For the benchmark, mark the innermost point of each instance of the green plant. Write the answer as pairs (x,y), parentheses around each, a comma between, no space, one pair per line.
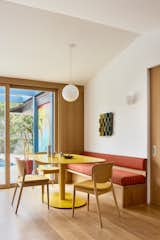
(21,133)
(21,126)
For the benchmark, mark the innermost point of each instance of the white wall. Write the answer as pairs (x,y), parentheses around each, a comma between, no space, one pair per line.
(107,93)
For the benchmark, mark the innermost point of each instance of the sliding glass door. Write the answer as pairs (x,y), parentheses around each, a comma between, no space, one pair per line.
(4,136)
(26,125)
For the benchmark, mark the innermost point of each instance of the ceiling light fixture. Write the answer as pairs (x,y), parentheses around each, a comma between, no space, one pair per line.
(70,92)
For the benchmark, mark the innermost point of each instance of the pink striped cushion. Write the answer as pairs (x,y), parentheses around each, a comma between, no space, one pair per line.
(29,166)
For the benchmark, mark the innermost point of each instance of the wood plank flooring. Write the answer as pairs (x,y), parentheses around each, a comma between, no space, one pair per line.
(35,222)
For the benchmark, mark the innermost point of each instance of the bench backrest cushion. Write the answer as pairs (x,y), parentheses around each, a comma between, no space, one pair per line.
(122,161)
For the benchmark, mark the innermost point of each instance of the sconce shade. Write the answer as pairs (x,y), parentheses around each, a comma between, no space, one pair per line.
(70,93)
(131,98)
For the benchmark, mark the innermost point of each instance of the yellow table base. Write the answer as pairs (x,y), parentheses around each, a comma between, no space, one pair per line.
(55,201)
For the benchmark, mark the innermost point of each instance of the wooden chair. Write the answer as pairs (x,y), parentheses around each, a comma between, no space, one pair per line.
(25,180)
(101,183)
(46,170)
(40,153)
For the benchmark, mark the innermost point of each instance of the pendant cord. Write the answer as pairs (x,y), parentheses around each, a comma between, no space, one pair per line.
(71,46)
(71,64)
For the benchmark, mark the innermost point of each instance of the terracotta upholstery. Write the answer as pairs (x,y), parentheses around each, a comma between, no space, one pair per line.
(29,166)
(82,168)
(122,161)
(125,178)
(121,177)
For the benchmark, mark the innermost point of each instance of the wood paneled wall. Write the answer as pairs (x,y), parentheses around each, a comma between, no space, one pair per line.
(69,117)
(71,124)
(155,133)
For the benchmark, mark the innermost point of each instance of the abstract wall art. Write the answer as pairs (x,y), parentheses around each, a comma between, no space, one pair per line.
(106,124)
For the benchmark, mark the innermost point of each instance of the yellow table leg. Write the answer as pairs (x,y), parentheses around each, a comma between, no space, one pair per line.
(62,182)
(54,200)
(62,199)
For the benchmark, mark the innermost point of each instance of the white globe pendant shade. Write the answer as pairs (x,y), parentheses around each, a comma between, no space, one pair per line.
(70,93)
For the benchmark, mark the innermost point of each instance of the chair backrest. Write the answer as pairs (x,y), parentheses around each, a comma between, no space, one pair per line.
(21,167)
(40,153)
(102,172)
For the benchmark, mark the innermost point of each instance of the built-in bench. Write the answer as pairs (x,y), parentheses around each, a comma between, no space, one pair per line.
(129,176)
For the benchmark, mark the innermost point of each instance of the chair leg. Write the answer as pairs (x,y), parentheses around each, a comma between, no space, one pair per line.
(42,193)
(14,194)
(88,201)
(115,199)
(53,180)
(19,198)
(48,195)
(73,203)
(98,210)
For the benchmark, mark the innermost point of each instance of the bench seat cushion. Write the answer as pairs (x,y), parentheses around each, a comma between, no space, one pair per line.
(126,178)
(82,168)
(119,177)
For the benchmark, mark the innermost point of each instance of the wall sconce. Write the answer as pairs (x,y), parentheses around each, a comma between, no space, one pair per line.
(131,98)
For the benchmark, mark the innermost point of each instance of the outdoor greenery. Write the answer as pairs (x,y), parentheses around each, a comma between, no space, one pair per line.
(21,135)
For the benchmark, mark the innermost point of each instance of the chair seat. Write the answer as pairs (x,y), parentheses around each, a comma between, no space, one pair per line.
(88,185)
(33,179)
(48,170)
(100,184)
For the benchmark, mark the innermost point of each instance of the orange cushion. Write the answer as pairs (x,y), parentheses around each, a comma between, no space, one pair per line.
(122,161)
(125,178)
(29,166)
(119,177)
(82,168)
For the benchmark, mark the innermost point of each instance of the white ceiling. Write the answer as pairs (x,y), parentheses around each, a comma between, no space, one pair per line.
(133,15)
(34,44)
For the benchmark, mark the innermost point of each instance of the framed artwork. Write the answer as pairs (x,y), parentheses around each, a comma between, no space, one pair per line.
(106,124)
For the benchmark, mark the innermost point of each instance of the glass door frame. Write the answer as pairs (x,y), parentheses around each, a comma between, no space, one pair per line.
(9,83)
(7,136)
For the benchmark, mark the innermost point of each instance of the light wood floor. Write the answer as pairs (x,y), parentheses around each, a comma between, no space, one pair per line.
(35,222)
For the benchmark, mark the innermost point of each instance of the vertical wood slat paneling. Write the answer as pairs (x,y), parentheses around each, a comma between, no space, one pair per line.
(155,133)
(71,124)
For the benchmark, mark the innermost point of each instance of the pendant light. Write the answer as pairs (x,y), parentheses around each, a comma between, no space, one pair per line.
(70,92)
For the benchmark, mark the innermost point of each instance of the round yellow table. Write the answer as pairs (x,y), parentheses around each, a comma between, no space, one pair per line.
(63,199)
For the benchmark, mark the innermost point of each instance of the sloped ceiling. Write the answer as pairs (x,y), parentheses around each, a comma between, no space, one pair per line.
(34,44)
(133,15)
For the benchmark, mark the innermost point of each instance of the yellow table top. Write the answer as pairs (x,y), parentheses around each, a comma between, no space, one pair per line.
(61,160)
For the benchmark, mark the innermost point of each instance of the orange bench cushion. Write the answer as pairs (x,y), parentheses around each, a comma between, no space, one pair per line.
(122,161)
(85,168)
(120,177)
(125,178)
